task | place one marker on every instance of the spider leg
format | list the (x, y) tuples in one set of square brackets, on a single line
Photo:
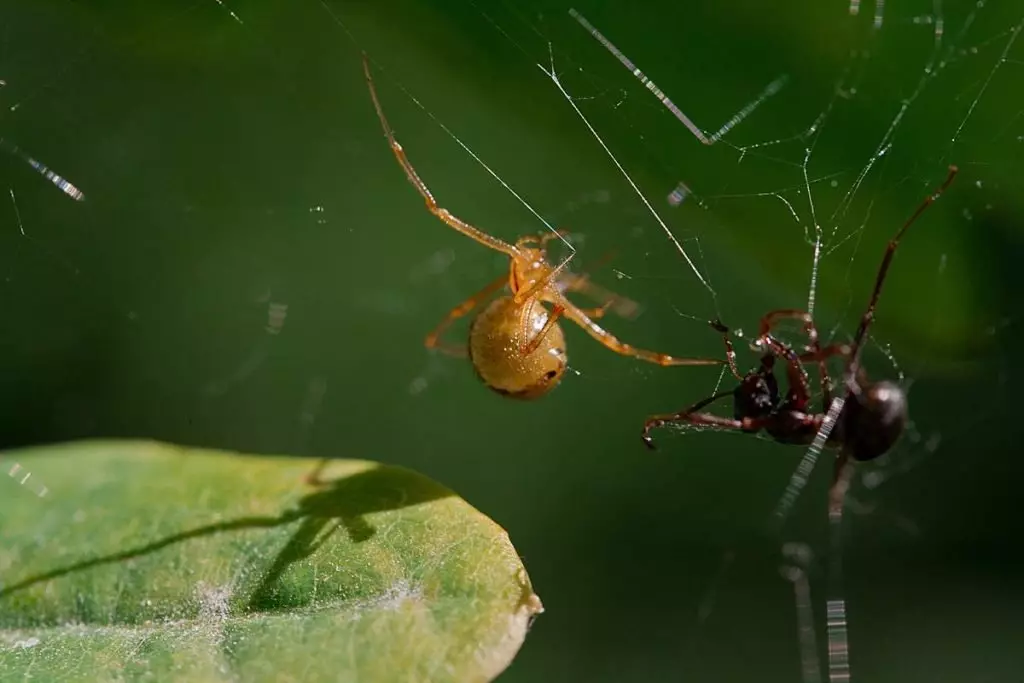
[(545, 237), (414, 178), (599, 312), (529, 344), (433, 340), (541, 239), (883, 270), (575, 314), (621, 305)]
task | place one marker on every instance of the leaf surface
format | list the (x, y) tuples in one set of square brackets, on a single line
[(147, 561)]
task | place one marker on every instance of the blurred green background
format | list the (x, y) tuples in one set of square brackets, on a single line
[(234, 173)]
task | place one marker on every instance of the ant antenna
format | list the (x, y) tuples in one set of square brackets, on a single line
[(883, 270)]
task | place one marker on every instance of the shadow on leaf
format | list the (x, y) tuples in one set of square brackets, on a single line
[(337, 504)]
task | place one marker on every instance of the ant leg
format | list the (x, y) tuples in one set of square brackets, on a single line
[(433, 340), (824, 353), (813, 343), (747, 424), (769, 319), (799, 394), (414, 178), (730, 352), (690, 415), (883, 270), (574, 313)]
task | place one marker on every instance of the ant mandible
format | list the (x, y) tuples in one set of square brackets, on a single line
[(515, 344), (873, 414)]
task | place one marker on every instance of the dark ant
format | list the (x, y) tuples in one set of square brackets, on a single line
[(871, 417)]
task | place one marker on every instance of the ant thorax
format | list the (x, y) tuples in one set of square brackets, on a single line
[(756, 396)]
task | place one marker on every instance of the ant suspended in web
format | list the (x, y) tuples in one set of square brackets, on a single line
[(871, 417), (515, 344)]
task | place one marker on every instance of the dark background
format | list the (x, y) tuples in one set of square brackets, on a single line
[(234, 167)]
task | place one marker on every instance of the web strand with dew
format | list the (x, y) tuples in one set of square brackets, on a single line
[(61, 183), (679, 194), (701, 135), (24, 478), (675, 241), (838, 659)]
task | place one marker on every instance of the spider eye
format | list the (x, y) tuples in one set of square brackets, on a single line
[(550, 374)]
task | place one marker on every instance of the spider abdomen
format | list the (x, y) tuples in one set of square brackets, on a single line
[(496, 337)]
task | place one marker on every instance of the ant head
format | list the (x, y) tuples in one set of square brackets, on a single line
[(875, 420), (757, 394)]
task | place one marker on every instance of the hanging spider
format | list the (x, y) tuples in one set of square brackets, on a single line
[(871, 417), (515, 344)]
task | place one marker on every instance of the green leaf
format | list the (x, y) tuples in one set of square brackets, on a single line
[(146, 561)]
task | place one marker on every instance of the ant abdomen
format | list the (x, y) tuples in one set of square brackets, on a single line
[(873, 420)]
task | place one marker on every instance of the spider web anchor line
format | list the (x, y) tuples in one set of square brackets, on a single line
[(701, 135), (836, 628), (838, 645), (17, 212), (798, 558), (433, 117), (61, 183), (988, 80), (230, 11), (802, 474), (675, 241)]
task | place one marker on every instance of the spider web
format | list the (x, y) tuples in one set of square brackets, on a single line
[(826, 235), (831, 221), (692, 160)]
